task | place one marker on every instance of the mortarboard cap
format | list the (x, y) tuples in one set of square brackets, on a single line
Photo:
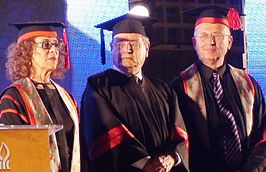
[(127, 23), (216, 14), (32, 29), (38, 28)]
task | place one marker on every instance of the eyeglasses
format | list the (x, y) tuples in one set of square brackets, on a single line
[(47, 45), (133, 44), (213, 36)]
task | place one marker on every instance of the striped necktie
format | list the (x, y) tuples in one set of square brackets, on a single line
[(232, 145)]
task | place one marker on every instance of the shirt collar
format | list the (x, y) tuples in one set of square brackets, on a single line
[(138, 75), (207, 72), (40, 85)]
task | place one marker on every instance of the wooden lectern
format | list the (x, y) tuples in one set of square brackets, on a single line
[(25, 148)]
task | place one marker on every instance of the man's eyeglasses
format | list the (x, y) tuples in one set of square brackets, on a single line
[(213, 36), (133, 44), (47, 45)]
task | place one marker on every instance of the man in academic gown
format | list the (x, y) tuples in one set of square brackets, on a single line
[(130, 122), (242, 97)]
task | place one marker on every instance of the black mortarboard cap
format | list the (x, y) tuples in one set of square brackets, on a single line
[(36, 28), (127, 23), (32, 29), (216, 14)]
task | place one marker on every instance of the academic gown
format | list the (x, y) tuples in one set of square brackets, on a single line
[(206, 150), (123, 121), (65, 137)]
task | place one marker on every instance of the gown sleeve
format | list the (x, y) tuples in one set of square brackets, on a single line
[(12, 108)]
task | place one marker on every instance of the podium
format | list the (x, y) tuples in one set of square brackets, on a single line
[(25, 148)]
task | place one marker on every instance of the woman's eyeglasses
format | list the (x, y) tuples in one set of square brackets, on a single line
[(47, 45)]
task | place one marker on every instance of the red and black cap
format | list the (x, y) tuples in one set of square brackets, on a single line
[(216, 14), (33, 29), (127, 23)]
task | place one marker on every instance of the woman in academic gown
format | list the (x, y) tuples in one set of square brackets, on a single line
[(34, 99)]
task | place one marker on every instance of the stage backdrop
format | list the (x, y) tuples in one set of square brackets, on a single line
[(82, 15), (256, 40)]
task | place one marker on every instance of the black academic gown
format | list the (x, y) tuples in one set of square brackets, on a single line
[(205, 135), (14, 101), (147, 112)]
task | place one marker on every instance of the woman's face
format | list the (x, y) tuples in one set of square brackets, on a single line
[(45, 54)]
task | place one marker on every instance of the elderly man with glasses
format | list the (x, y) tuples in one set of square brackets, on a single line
[(222, 106), (130, 122)]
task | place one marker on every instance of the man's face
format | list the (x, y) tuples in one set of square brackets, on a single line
[(211, 42), (129, 51)]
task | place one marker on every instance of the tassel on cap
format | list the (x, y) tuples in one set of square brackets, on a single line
[(234, 19), (67, 58), (103, 59)]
